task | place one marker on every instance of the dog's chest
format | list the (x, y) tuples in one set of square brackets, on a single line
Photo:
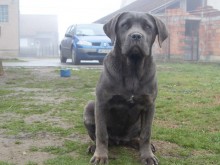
[(131, 84), (125, 110), (128, 103)]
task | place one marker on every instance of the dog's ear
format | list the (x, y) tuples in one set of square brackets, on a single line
[(161, 30), (110, 27)]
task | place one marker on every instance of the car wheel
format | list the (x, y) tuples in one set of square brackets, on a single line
[(100, 62), (62, 59), (75, 60)]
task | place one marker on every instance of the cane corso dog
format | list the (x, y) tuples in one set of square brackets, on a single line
[(126, 91)]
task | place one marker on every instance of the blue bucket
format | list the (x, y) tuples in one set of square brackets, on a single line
[(65, 72)]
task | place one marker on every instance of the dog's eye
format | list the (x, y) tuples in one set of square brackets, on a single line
[(148, 27), (125, 25)]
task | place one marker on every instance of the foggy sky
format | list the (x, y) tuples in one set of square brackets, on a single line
[(70, 12), (77, 11), (214, 3)]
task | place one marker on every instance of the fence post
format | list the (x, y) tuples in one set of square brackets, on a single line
[(1, 68)]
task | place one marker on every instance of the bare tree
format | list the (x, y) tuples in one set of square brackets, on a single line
[(1, 68)]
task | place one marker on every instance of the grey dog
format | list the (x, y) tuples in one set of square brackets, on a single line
[(126, 91)]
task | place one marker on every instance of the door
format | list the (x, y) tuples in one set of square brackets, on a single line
[(66, 43), (192, 40)]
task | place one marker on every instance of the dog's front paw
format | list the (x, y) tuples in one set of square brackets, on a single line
[(149, 160), (99, 159)]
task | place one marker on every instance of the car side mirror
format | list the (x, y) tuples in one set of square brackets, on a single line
[(68, 35)]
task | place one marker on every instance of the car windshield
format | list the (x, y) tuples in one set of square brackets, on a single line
[(90, 30)]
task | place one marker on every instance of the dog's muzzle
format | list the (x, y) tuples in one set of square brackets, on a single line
[(136, 36), (134, 47)]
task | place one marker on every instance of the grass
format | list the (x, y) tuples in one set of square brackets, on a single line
[(186, 126), (12, 60)]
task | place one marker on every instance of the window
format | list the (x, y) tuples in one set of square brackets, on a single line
[(193, 5), (72, 30), (192, 27), (68, 29), (3, 13)]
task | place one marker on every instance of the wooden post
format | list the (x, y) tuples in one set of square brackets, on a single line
[(1, 68)]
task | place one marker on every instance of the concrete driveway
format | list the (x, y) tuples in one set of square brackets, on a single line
[(48, 62)]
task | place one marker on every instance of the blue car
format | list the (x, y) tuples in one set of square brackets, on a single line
[(84, 42)]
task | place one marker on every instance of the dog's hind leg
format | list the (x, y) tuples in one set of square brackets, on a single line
[(89, 119), (89, 122)]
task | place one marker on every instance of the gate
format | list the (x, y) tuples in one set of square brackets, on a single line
[(192, 40)]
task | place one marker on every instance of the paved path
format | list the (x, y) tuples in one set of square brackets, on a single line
[(48, 62)]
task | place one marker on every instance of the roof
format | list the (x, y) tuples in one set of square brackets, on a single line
[(207, 11), (138, 5)]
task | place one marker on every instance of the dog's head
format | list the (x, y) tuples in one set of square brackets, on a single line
[(135, 33)]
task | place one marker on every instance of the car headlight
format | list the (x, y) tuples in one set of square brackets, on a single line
[(86, 43)]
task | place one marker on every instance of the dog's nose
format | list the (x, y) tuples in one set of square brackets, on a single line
[(136, 36)]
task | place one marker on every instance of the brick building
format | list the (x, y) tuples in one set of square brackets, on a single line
[(9, 28), (194, 28)]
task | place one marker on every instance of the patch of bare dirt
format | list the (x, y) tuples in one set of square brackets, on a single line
[(42, 98), (217, 100), (8, 116), (47, 118), (166, 148), (78, 137), (17, 149), (166, 124), (201, 152)]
